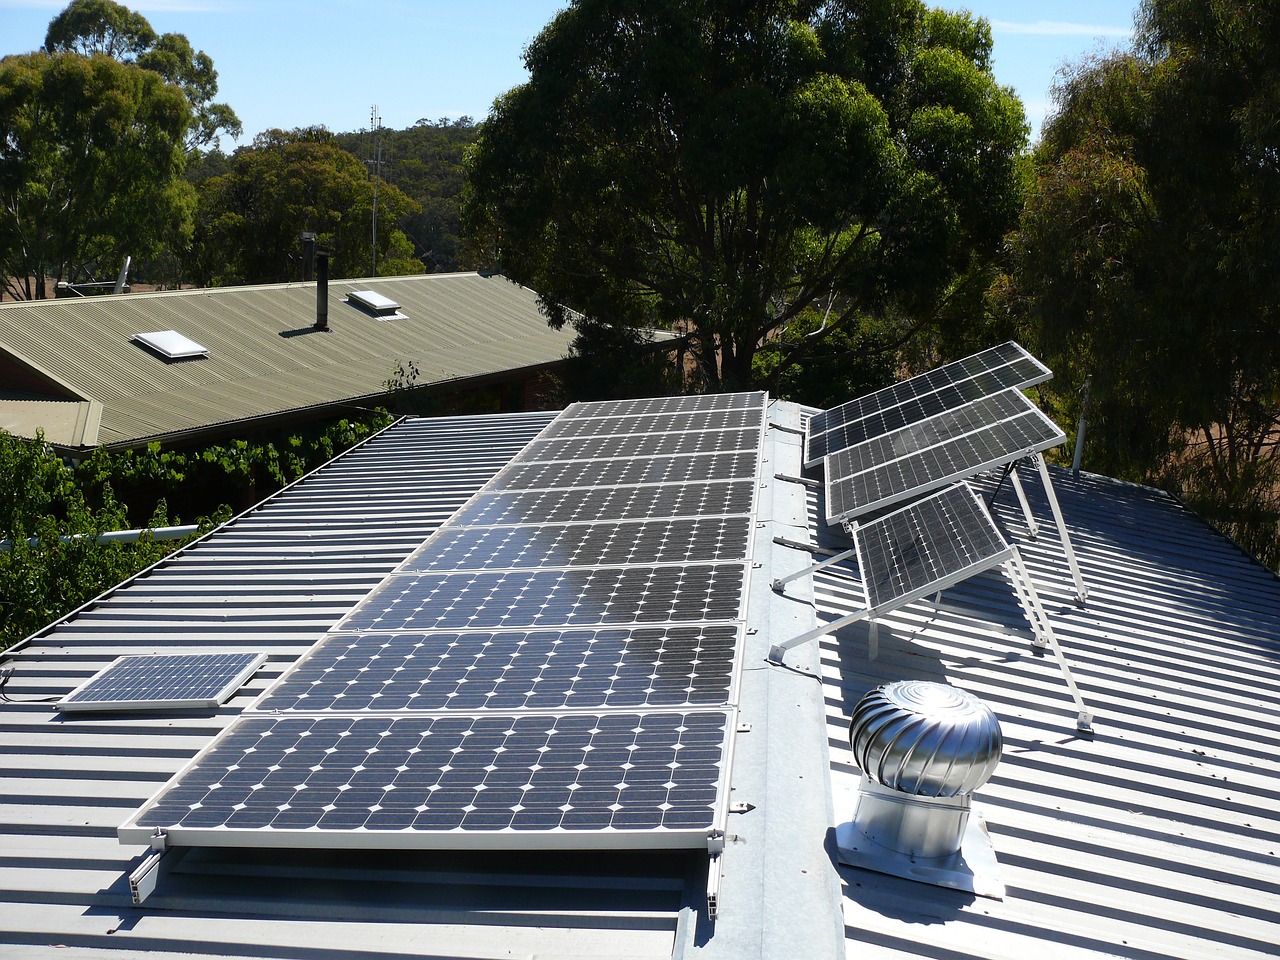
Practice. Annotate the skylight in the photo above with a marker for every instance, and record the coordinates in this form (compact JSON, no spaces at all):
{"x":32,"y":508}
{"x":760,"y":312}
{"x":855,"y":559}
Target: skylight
{"x":171,"y":344}
{"x":381,"y":307}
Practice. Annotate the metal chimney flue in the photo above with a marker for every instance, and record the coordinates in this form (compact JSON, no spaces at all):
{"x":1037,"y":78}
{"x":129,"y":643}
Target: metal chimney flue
{"x":308,"y":256}
{"x":923,"y":749}
{"x":322,"y":290}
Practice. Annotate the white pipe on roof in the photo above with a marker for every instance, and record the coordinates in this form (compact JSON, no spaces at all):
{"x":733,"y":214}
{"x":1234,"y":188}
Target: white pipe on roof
{"x":115,"y":536}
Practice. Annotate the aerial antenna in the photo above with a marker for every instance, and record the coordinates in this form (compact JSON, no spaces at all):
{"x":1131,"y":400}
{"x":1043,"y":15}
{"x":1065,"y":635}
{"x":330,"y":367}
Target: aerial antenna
{"x":375,"y":129}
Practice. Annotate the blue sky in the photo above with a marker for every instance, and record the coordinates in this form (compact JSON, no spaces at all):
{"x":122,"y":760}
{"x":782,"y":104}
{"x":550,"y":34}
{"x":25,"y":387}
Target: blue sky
{"x":291,"y":63}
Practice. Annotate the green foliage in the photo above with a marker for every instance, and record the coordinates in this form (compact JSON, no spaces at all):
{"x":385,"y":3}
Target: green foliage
{"x":1147,"y":258}
{"x":249,"y":218}
{"x":426,"y":162}
{"x":825,"y":371}
{"x":88,"y":27}
{"x":723,"y":167}
{"x":90,"y":168}
{"x":47,"y":499}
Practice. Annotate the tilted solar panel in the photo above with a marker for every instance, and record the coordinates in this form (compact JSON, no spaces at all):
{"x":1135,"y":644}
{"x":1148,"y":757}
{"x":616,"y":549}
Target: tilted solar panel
{"x":917,"y":459}
{"x":926,"y":546}
{"x":953,"y":384}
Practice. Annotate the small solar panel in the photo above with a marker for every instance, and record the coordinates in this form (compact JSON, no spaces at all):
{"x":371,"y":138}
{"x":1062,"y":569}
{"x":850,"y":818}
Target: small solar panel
{"x":165,"y":682}
{"x":1000,"y":367}
{"x":405,"y":782}
{"x":927,"y":546}
{"x":915,"y":460}
{"x":631,"y":667}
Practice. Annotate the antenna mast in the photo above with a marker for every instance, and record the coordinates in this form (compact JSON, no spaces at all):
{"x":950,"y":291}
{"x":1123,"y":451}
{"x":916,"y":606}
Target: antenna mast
{"x":375,"y":128}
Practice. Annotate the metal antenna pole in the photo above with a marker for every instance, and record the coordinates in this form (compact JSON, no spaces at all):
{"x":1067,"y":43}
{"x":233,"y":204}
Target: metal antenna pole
{"x":375,"y":127}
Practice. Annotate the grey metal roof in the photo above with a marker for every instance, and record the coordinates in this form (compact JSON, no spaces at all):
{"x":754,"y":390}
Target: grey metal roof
{"x":264,"y":358}
{"x":1155,"y":838}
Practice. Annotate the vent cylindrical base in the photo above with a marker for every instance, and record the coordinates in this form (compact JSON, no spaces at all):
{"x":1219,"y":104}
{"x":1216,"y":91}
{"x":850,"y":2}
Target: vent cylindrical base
{"x":922,"y":828}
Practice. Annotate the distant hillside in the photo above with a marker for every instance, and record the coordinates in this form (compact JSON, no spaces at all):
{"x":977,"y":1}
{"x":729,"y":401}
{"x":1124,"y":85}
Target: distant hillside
{"x":425,"y":161}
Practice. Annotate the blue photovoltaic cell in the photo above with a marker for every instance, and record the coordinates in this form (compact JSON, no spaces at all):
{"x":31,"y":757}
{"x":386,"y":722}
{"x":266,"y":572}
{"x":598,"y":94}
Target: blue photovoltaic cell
{"x":912,"y":550}
{"x":532,"y":598}
{"x":563,"y":505}
{"x":641,"y":445}
{"x":517,"y":670}
{"x":735,"y":465}
{"x":1008,"y":354}
{"x":164,"y":682}
{"x":858,"y":484}
{"x":584,"y":545}
{"x":392,"y":778}
{"x":659,"y":405}
{"x":745,"y":417}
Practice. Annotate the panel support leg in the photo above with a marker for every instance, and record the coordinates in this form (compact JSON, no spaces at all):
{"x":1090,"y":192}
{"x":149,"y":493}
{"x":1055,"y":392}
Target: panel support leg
{"x":779,"y":650}
{"x":1082,"y":592}
{"x":781,"y":582}
{"x":1045,"y":636}
{"x":1032,"y":526}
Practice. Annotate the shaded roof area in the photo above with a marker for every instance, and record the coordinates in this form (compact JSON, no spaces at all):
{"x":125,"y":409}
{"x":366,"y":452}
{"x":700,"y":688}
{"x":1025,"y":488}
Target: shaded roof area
{"x":1155,"y":838}
{"x":264,"y":357}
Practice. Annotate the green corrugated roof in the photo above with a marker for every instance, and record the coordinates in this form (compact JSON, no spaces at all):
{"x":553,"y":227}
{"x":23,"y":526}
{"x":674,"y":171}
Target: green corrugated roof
{"x":263,"y":357}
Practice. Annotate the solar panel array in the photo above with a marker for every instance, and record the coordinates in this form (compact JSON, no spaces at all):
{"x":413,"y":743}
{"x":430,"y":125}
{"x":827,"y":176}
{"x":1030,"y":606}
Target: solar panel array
{"x":917,"y":398}
{"x":936,"y":541}
{"x":164,"y":682}
{"x":951,"y":446}
{"x":556,"y":666}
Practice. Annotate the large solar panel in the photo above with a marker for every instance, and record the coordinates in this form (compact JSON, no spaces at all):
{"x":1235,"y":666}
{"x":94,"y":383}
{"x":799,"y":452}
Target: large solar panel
{"x":164,"y":682}
{"x":557,"y":662}
{"x":934,"y":542}
{"x":451,"y":781}
{"x":1005,"y":366}
{"x":914,"y":460}
{"x":576,"y":474}
{"x":635,"y":502}
{"x":672,"y":666}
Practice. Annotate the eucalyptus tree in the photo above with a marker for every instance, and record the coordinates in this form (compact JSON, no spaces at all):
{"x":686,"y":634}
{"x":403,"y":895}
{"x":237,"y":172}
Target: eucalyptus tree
{"x":1149,"y":256}
{"x":723,"y":166}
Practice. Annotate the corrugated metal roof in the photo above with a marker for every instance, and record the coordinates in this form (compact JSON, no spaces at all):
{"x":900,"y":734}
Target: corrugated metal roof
{"x":64,"y":422}
{"x":264,"y":358}
{"x":1158,"y":836}
{"x":1154,"y":838}
{"x":274,"y":580}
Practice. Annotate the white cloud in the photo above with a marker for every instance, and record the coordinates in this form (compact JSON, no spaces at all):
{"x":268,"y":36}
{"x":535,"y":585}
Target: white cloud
{"x":1058,"y":28}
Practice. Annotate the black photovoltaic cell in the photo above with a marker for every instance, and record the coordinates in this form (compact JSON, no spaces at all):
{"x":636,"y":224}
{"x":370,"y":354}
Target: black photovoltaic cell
{"x":973,"y":417}
{"x":702,"y":499}
{"x":738,"y":465}
{"x":853,"y":432}
{"x":518,"y":670}
{"x":164,"y":682}
{"x":659,"y":423}
{"x":659,"y":405}
{"x":584,"y":545}
{"x":913,"y":549}
{"x":414,"y":775}
{"x":934,"y":466}
{"x":548,"y":598}
{"x":641,"y":445}
{"x":1023,"y":370}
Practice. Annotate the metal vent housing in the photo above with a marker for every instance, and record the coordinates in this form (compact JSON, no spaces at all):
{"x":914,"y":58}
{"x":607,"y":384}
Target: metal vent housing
{"x":925,"y":739}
